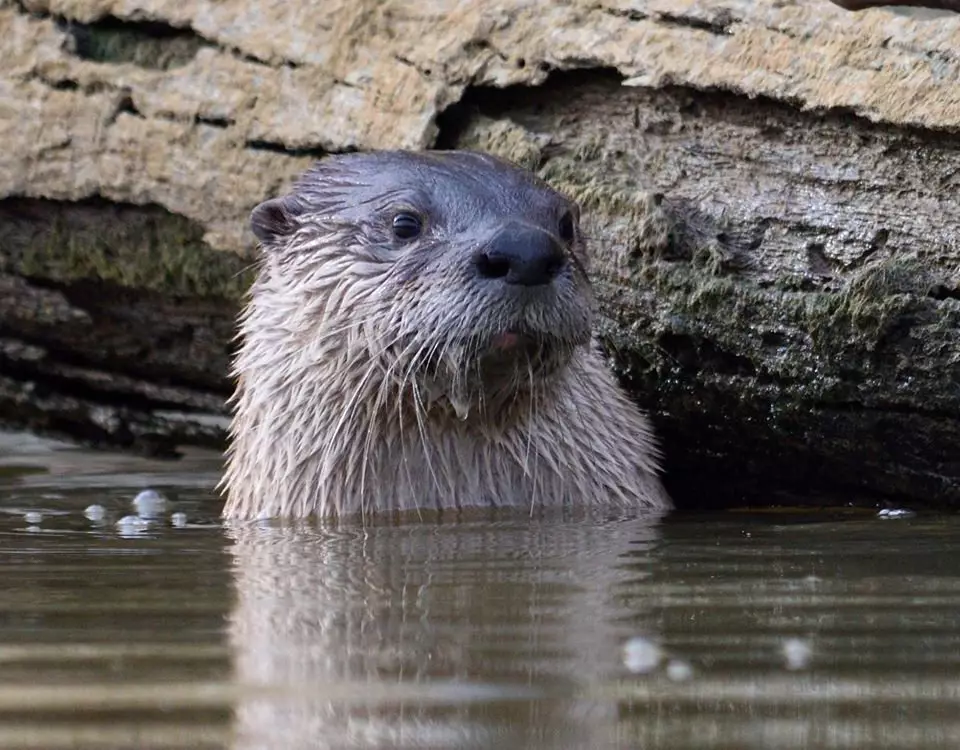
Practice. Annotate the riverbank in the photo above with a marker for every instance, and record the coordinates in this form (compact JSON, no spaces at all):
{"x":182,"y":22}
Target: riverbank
{"x":771,"y":191}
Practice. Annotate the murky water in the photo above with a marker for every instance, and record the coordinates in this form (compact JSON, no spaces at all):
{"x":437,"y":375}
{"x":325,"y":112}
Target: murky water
{"x":831,"y":630}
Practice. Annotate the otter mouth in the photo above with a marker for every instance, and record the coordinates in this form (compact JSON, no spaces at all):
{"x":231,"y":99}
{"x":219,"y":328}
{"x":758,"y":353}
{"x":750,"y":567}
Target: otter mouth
{"x":496,"y":355}
{"x":513,"y":341}
{"x":483,"y":369}
{"x":516,"y":344}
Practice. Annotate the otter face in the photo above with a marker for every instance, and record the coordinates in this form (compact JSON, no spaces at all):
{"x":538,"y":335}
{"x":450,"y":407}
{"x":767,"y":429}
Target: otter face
{"x":456,"y":269}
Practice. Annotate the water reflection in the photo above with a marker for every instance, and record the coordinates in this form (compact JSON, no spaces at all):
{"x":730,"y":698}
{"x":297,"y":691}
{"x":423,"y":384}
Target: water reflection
{"x":872,"y":609}
{"x":726,"y":632}
{"x":471,"y":634}
{"x":511,"y":633}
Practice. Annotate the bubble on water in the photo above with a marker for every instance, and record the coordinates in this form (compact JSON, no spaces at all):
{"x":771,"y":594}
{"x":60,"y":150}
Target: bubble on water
{"x":33,"y":517}
{"x":641,"y":655}
{"x":797,"y":653}
{"x":679,"y":671}
{"x":179,"y":520}
{"x":896,"y":513}
{"x":132,"y":525}
{"x":95,"y":512}
{"x":149,"y":504}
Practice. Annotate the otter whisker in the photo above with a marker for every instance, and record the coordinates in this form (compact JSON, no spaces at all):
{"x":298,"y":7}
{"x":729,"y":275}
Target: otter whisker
{"x":537,"y":462}
{"x":385,"y":386}
{"x":335,"y":451}
{"x":581,"y":381}
{"x":403,"y":443}
{"x":253,"y":265}
{"x":329,"y":335}
{"x":532,"y":400}
{"x":422,"y":354}
{"x":372,"y":412}
{"x":418,"y":413}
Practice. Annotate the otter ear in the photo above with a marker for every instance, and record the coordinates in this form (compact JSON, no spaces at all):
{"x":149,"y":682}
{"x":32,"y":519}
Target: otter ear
{"x":276,"y":219}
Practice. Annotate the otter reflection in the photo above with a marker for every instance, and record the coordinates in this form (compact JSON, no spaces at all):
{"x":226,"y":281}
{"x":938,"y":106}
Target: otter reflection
{"x":378,"y":636}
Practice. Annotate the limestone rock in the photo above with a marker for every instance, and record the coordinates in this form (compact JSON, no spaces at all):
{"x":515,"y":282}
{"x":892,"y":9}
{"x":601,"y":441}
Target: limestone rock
{"x":772,"y":189}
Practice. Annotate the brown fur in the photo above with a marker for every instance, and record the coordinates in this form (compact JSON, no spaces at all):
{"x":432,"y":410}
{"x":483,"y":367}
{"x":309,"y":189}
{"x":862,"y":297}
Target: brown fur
{"x":369,"y":378}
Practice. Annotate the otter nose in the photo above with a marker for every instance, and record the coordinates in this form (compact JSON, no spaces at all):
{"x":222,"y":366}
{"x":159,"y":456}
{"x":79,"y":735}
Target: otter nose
{"x":521,"y":255}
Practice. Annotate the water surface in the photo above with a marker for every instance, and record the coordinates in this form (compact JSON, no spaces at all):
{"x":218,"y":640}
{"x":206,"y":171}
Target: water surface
{"x":776,"y":630}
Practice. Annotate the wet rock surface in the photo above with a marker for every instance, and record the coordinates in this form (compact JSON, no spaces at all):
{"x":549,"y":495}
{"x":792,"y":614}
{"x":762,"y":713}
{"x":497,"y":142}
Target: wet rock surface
{"x":771,"y":190}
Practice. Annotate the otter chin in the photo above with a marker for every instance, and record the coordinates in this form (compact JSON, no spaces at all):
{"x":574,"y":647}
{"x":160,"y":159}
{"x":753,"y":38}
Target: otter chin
{"x":418,"y":337}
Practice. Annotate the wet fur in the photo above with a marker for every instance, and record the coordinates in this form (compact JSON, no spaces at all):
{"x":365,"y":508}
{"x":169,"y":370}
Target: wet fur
{"x":365,"y":379}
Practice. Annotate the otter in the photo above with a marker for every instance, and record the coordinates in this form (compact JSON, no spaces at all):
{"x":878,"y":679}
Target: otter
{"x":419,"y":337}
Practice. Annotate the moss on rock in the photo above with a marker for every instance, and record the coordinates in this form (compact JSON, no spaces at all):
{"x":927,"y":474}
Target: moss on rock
{"x":505,"y":139}
{"x":138,"y":247}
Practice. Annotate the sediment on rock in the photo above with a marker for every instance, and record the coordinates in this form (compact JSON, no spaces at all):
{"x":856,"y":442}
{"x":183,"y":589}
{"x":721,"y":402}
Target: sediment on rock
{"x":770,"y":190}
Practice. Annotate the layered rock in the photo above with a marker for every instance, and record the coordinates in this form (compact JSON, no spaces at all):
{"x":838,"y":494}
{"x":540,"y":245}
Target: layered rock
{"x":770,"y":189}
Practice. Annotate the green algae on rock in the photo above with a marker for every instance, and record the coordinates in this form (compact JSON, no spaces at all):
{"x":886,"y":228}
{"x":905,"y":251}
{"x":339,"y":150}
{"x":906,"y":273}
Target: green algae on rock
{"x":136,"y":247}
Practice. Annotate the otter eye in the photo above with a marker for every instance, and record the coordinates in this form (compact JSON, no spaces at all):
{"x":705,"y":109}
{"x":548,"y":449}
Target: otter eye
{"x":566,"y":227}
{"x":406,"y":226}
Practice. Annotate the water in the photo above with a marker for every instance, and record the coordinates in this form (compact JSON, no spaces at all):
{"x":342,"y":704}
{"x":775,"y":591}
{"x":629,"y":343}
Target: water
{"x":771,"y":630}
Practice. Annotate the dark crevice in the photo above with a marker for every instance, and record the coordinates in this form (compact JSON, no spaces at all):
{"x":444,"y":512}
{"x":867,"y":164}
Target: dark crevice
{"x":879,"y":240}
{"x":149,"y":44}
{"x":723,"y":450}
{"x":125,"y":106}
{"x":885,"y":408}
{"x":278,"y":148}
{"x":494,"y":101}
{"x":772,"y":457}
{"x":214,"y":122}
{"x":628,"y":13}
{"x":943,"y":292}
{"x":480,"y":45}
{"x":112,"y":24}
{"x":774,"y":339}
{"x":695,"y":354}
{"x":249,"y":57}
{"x":403,"y":61}
{"x":562,"y":84}
{"x":64,"y":85}
{"x":720,"y":24}
{"x":817,"y":260}
{"x":69,"y":84}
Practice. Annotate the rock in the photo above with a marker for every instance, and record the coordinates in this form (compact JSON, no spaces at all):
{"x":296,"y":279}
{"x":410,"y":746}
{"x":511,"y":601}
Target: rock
{"x":771,"y":191}
{"x":935,"y":6}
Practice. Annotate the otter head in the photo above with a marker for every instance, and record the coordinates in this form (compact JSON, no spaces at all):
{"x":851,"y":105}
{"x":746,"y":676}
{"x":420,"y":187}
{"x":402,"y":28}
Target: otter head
{"x":454,"y":276}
